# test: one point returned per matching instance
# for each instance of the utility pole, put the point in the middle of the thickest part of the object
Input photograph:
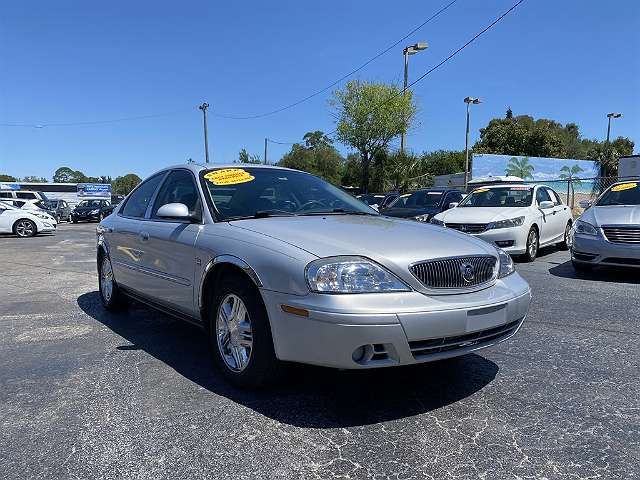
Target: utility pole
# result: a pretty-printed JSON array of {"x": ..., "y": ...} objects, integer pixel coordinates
[
  {"x": 468, "y": 101},
  {"x": 265, "y": 149},
  {"x": 410, "y": 50},
  {"x": 204, "y": 107}
]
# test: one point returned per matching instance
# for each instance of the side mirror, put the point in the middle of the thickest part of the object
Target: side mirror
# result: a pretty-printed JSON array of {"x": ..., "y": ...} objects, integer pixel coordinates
[
  {"x": 546, "y": 205},
  {"x": 584, "y": 204},
  {"x": 174, "y": 211},
  {"x": 453, "y": 204},
  {"x": 375, "y": 207}
]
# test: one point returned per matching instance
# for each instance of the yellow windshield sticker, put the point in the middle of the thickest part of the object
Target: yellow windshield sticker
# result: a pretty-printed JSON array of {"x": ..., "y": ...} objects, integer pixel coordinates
[
  {"x": 481, "y": 190},
  {"x": 229, "y": 176},
  {"x": 624, "y": 186}
]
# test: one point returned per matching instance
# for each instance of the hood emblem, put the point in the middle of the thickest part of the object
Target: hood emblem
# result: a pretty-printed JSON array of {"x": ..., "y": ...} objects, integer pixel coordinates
[{"x": 468, "y": 272}]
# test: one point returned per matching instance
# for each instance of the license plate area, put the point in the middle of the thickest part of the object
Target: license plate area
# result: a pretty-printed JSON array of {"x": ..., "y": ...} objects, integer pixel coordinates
[{"x": 485, "y": 318}]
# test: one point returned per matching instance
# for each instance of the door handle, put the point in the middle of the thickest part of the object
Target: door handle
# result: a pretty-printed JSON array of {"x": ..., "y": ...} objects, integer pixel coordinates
[{"x": 144, "y": 236}]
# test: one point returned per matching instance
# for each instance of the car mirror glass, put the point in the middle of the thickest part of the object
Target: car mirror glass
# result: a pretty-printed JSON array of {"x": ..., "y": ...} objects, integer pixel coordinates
[
  {"x": 453, "y": 204},
  {"x": 546, "y": 205},
  {"x": 584, "y": 204}
]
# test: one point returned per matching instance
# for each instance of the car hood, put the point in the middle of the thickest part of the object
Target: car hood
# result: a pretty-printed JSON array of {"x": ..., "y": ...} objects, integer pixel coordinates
[
  {"x": 392, "y": 242},
  {"x": 481, "y": 214},
  {"x": 613, "y": 215},
  {"x": 409, "y": 212}
]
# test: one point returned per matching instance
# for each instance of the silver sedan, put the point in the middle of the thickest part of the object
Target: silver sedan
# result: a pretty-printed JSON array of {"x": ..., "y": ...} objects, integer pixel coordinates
[
  {"x": 277, "y": 266},
  {"x": 608, "y": 232}
]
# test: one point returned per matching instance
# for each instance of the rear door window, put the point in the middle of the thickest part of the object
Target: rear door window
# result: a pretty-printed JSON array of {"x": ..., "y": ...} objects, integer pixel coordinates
[{"x": 138, "y": 202}]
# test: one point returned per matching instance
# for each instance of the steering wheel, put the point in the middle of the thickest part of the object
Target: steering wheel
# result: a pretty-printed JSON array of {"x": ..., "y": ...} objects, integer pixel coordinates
[{"x": 309, "y": 205}]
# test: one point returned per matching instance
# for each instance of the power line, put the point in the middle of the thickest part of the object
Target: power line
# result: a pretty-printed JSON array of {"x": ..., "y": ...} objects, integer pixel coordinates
[
  {"x": 446, "y": 59},
  {"x": 344, "y": 77},
  {"x": 281, "y": 143}
]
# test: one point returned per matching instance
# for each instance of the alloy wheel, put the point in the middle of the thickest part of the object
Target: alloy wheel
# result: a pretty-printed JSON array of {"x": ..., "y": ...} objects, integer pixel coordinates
[
  {"x": 233, "y": 333},
  {"x": 532, "y": 244},
  {"x": 106, "y": 280},
  {"x": 25, "y": 228}
]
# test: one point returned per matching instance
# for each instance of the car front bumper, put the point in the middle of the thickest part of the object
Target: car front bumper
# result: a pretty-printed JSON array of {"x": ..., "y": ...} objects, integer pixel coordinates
[
  {"x": 394, "y": 329},
  {"x": 512, "y": 240},
  {"x": 595, "y": 250},
  {"x": 84, "y": 217}
]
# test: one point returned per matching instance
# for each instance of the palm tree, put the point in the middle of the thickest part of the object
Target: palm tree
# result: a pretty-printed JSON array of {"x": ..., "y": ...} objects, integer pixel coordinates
[
  {"x": 568, "y": 174},
  {"x": 520, "y": 167}
]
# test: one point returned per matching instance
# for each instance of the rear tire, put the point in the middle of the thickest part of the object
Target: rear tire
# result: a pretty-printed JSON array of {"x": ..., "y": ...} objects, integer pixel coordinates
[
  {"x": 533, "y": 243},
  {"x": 25, "y": 228},
  {"x": 110, "y": 294},
  {"x": 239, "y": 335},
  {"x": 566, "y": 243}
]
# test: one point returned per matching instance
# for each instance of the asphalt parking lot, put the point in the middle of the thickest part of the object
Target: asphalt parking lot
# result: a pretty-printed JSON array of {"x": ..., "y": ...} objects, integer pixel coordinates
[{"x": 89, "y": 394}]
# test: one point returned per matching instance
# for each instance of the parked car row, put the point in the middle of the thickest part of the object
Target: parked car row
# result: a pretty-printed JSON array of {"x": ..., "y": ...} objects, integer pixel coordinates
[{"x": 24, "y": 222}]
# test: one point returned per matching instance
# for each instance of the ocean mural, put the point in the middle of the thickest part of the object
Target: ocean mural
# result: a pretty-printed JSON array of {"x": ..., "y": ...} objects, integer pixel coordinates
[{"x": 536, "y": 169}]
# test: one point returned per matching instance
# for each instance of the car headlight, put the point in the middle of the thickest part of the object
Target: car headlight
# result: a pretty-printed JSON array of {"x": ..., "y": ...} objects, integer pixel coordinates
[
  {"x": 94, "y": 212},
  {"x": 506, "y": 264},
  {"x": 584, "y": 228},
  {"x": 511, "y": 222},
  {"x": 435, "y": 221},
  {"x": 43, "y": 216},
  {"x": 422, "y": 218},
  {"x": 351, "y": 275}
]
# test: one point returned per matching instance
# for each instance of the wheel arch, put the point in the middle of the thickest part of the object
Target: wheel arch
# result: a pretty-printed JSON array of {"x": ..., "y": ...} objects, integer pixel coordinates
[{"x": 216, "y": 270}]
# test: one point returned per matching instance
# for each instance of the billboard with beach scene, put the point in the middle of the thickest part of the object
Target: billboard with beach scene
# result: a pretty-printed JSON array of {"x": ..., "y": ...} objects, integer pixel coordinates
[{"x": 537, "y": 169}]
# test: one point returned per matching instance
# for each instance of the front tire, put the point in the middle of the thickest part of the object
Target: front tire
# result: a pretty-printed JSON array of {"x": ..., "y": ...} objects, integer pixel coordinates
[
  {"x": 533, "y": 243},
  {"x": 566, "y": 243},
  {"x": 25, "y": 228},
  {"x": 240, "y": 335},
  {"x": 110, "y": 294}
]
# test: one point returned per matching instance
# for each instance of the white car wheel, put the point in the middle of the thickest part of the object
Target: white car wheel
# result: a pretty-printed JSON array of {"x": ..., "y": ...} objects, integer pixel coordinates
[{"x": 25, "y": 228}]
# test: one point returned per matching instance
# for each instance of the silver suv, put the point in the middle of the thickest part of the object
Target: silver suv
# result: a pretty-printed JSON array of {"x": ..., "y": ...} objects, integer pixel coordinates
[{"x": 277, "y": 265}]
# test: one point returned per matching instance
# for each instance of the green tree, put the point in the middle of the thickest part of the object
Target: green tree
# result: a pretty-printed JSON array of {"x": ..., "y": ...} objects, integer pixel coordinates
[
  {"x": 442, "y": 162},
  {"x": 369, "y": 116},
  {"x": 317, "y": 156},
  {"x": 400, "y": 170},
  {"x": 124, "y": 184},
  {"x": 608, "y": 154},
  {"x": 520, "y": 167},
  {"x": 244, "y": 157},
  {"x": 68, "y": 175},
  {"x": 7, "y": 178}
]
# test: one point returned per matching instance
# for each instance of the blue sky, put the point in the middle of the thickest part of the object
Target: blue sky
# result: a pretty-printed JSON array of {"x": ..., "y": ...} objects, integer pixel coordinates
[{"x": 68, "y": 62}]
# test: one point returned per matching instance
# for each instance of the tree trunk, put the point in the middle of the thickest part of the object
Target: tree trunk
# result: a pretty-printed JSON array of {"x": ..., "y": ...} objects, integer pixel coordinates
[{"x": 364, "y": 184}]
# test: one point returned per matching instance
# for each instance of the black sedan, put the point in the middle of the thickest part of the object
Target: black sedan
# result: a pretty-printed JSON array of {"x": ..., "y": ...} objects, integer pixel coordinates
[
  {"x": 423, "y": 204},
  {"x": 91, "y": 211}
]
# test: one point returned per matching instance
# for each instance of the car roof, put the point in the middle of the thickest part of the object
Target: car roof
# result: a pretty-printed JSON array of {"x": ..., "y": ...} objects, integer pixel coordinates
[
  {"x": 509, "y": 185},
  {"x": 199, "y": 167}
]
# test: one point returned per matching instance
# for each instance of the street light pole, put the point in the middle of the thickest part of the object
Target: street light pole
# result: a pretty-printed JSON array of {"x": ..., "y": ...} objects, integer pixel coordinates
[
  {"x": 265, "y": 149},
  {"x": 204, "y": 107},
  {"x": 410, "y": 50},
  {"x": 609, "y": 117},
  {"x": 468, "y": 101}
]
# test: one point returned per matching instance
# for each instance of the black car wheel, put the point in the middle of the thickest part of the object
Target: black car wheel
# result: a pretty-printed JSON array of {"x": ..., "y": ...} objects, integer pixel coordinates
[{"x": 533, "y": 242}]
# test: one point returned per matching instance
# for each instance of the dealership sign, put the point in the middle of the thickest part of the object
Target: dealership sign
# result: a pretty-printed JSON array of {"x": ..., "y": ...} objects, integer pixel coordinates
[
  {"x": 9, "y": 186},
  {"x": 94, "y": 190}
]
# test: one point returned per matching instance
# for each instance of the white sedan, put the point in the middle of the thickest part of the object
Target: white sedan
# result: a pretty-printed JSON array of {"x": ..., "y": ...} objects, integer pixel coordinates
[
  {"x": 24, "y": 223},
  {"x": 517, "y": 218}
]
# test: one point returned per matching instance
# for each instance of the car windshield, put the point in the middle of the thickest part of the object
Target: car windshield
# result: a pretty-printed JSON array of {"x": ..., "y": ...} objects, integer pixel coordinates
[
  {"x": 400, "y": 202},
  {"x": 51, "y": 203},
  {"x": 627, "y": 193},
  {"x": 499, "y": 197},
  {"x": 423, "y": 198},
  {"x": 239, "y": 193},
  {"x": 89, "y": 203},
  {"x": 370, "y": 199}
]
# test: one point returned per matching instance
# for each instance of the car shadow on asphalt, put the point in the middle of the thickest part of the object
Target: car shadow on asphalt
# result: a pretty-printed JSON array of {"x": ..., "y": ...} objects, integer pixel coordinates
[
  {"x": 309, "y": 396},
  {"x": 598, "y": 274}
]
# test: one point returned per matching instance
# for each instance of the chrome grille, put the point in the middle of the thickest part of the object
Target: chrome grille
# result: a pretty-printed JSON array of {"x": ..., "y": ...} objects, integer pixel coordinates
[
  {"x": 448, "y": 272},
  {"x": 622, "y": 234},
  {"x": 425, "y": 348},
  {"x": 467, "y": 227}
]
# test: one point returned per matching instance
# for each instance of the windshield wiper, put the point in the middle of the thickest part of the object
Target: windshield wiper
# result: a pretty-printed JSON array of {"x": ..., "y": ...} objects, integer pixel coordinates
[
  {"x": 340, "y": 211},
  {"x": 272, "y": 213}
]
